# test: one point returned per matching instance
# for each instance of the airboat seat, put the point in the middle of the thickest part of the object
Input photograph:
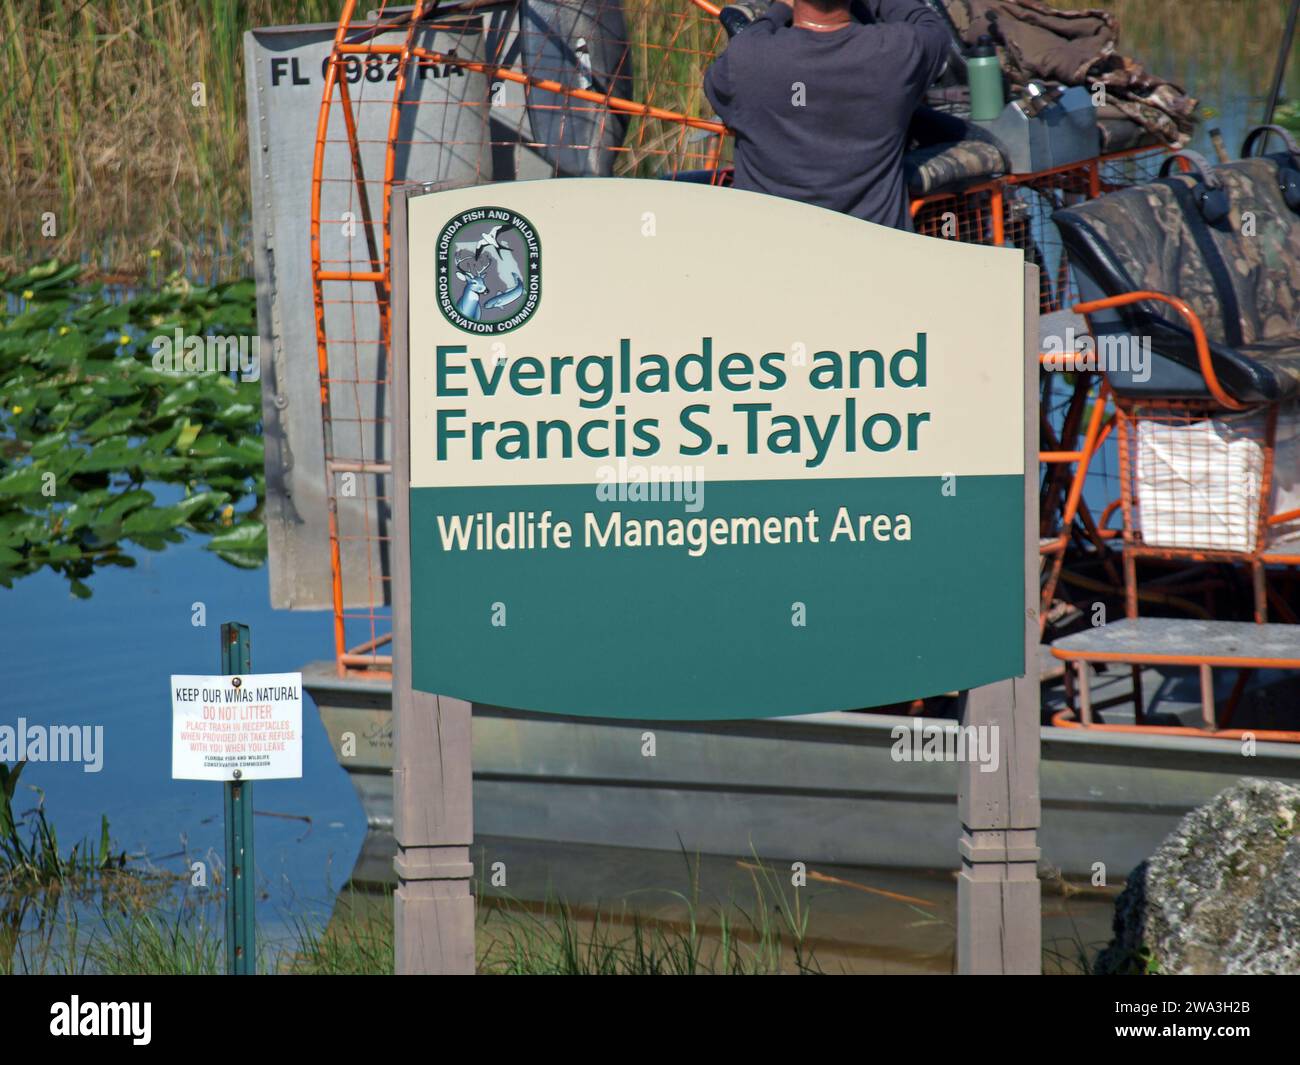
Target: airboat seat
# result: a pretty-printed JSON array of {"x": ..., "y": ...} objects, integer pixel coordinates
[
  {"x": 1240, "y": 275},
  {"x": 1174, "y": 642}
]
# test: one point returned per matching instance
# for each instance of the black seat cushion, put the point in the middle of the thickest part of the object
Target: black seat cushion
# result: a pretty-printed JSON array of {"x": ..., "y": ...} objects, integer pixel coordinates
[{"x": 1241, "y": 276}]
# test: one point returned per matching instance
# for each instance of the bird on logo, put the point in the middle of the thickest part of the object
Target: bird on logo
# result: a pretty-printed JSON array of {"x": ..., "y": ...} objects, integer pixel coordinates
[
  {"x": 508, "y": 271},
  {"x": 490, "y": 239}
]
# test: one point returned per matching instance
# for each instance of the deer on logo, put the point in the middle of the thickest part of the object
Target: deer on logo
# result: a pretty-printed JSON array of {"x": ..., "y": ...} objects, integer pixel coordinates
[{"x": 475, "y": 286}]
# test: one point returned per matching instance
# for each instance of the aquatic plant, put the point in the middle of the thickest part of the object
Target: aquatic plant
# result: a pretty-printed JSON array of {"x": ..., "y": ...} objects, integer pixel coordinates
[
  {"x": 357, "y": 941},
  {"x": 559, "y": 938},
  {"x": 91, "y": 427},
  {"x": 1288, "y": 115},
  {"x": 155, "y": 942},
  {"x": 36, "y": 860}
]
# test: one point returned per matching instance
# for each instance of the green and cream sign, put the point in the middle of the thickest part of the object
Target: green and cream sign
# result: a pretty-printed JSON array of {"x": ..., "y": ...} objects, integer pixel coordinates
[{"x": 744, "y": 458}]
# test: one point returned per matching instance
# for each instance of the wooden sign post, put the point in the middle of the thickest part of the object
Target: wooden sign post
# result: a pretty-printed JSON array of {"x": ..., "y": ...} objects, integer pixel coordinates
[
  {"x": 433, "y": 806},
  {"x": 643, "y": 422},
  {"x": 999, "y": 908}
]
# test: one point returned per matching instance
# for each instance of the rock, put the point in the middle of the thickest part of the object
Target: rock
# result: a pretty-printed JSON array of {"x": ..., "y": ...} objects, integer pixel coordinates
[{"x": 1221, "y": 894}]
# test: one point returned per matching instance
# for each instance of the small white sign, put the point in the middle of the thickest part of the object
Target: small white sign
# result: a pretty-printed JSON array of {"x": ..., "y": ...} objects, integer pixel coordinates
[{"x": 245, "y": 727}]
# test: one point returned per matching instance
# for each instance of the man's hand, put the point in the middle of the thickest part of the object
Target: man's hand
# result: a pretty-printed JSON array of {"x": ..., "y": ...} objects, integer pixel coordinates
[{"x": 737, "y": 17}]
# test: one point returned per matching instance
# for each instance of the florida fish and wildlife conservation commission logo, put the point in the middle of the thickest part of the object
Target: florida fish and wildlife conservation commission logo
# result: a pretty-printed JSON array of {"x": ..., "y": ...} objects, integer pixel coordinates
[{"x": 489, "y": 271}]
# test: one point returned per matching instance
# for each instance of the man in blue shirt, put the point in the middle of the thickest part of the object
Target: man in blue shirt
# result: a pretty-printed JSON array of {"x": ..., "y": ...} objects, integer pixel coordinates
[{"x": 819, "y": 95}]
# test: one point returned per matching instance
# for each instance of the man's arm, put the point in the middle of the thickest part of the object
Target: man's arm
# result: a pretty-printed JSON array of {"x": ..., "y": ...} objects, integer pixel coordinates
[
  {"x": 932, "y": 35},
  {"x": 718, "y": 89},
  {"x": 719, "y": 85}
]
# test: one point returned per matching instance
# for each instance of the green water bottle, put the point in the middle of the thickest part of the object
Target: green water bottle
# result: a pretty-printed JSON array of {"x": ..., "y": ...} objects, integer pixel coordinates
[{"x": 984, "y": 75}]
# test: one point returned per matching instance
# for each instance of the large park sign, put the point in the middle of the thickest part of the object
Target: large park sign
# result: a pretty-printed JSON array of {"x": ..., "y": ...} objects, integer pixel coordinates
[
  {"x": 680, "y": 452},
  {"x": 664, "y": 450}
]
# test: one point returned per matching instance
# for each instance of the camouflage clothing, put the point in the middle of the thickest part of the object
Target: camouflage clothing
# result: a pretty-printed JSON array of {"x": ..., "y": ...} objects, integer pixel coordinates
[
  {"x": 939, "y": 165},
  {"x": 1266, "y": 265},
  {"x": 1153, "y": 238},
  {"x": 1078, "y": 48}
]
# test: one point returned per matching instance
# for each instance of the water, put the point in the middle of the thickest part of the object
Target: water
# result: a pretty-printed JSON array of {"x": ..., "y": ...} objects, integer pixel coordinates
[
  {"x": 879, "y": 921},
  {"x": 1221, "y": 51},
  {"x": 107, "y": 660}
]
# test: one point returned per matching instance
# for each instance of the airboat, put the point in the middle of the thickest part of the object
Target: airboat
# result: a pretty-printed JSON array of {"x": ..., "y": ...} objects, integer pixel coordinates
[{"x": 1167, "y": 501}]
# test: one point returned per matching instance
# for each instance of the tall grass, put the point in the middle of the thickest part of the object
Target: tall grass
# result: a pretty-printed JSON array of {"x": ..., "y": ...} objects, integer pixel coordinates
[
  {"x": 357, "y": 941},
  {"x": 557, "y": 937},
  {"x": 162, "y": 928},
  {"x": 558, "y": 940},
  {"x": 98, "y": 125},
  {"x": 41, "y": 887},
  {"x": 32, "y": 860},
  {"x": 183, "y": 942},
  {"x": 671, "y": 45},
  {"x": 177, "y": 938},
  {"x": 181, "y": 933}
]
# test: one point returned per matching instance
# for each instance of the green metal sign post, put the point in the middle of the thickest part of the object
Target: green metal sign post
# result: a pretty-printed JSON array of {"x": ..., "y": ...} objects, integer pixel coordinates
[{"x": 241, "y": 955}]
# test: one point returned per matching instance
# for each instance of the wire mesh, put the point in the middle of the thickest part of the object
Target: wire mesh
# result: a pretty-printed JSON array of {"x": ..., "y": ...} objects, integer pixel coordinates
[
  {"x": 1016, "y": 210},
  {"x": 1197, "y": 481},
  {"x": 472, "y": 92},
  {"x": 466, "y": 93}
]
